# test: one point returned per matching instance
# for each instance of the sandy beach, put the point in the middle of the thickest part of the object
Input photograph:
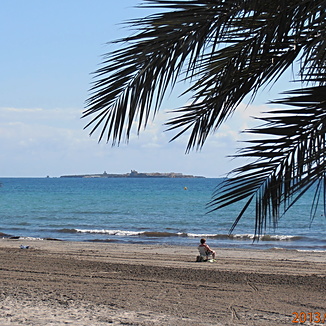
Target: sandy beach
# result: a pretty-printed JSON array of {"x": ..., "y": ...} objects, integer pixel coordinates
[{"x": 82, "y": 283}]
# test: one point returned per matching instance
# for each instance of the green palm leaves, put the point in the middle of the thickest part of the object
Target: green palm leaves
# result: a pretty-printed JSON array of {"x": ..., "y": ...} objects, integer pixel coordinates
[{"x": 224, "y": 50}]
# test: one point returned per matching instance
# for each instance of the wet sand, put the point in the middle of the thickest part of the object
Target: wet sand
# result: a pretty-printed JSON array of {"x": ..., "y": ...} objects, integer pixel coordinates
[{"x": 82, "y": 283}]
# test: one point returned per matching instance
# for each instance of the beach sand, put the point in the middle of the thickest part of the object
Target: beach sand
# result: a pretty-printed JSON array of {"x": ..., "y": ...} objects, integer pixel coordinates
[{"x": 83, "y": 283}]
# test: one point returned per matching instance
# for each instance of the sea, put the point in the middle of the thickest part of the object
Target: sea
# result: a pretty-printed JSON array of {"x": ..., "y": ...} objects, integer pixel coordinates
[{"x": 167, "y": 211}]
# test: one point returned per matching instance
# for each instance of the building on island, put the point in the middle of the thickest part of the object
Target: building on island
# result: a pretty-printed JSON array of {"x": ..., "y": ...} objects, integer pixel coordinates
[{"x": 133, "y": 174}]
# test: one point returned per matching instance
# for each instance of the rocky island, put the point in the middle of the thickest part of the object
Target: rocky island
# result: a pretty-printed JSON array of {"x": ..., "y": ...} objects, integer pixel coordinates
[{"x": 133, "y": 174}]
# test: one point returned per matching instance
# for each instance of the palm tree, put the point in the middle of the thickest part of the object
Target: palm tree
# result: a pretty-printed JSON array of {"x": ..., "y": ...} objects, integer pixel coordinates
[{"x": 226, "y": 50}]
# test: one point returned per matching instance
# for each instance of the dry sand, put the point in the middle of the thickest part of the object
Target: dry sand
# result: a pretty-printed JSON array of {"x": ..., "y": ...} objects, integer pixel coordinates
[{"x": 75, "y": 283}]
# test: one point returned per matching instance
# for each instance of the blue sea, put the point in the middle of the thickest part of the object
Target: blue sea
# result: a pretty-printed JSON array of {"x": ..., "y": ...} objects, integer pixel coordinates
[{"x": 144, "y": 210}]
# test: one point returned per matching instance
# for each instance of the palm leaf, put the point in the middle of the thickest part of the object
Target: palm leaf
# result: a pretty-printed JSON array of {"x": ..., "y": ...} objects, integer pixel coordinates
[
  {"x": 223, "y": 49},
  {"x": 287, "y": 163}
]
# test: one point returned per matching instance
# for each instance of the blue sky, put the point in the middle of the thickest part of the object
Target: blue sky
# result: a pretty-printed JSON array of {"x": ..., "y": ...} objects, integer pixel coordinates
[{"x": 49, "y": 50}]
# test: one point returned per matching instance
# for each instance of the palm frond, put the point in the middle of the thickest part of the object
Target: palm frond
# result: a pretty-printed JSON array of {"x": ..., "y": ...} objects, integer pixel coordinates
[
  {"x": 286, "y": 163},
  {"x": 134, "y": 79},
  {"x": 223, "y": 49}
]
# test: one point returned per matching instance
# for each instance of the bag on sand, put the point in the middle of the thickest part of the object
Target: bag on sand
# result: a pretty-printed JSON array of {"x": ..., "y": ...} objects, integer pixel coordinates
[{"x": 199, "y": 259}]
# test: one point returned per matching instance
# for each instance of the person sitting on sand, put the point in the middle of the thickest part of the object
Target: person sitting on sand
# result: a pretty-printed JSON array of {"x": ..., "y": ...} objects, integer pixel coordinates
[{"x": 203, "y": 247}]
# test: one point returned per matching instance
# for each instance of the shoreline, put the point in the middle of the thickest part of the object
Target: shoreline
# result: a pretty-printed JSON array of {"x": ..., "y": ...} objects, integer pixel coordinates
[
  {"x": 134, "y": 238},
  {"x": 86, "y": 283}
]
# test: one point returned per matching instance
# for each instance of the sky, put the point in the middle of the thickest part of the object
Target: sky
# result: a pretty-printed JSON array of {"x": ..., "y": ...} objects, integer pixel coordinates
[{"x": 49, "y": 51}]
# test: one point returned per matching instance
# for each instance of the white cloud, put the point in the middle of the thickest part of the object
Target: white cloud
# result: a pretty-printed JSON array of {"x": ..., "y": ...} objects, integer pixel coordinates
[{"x": 38, "y": 142}]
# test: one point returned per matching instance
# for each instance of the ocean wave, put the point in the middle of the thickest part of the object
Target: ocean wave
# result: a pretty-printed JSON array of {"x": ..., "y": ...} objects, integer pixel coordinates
[
  {"x": 311, "y": 250},
  {"x": 110, "y": 232},
  {"x": 67, "y": 231},
  {"x": 266, "y": 237},
  {"x": 320, "y": 249},
  {"x": 251, "y": 237},
  {"x": 26, "y": 238},
  {"x": 163, "y": 234},
  {"x": 126, "y": 233}
]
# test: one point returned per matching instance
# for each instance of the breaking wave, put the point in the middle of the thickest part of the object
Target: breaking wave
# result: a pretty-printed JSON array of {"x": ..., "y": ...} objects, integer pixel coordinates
[{"x": 157, "y": 234}]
